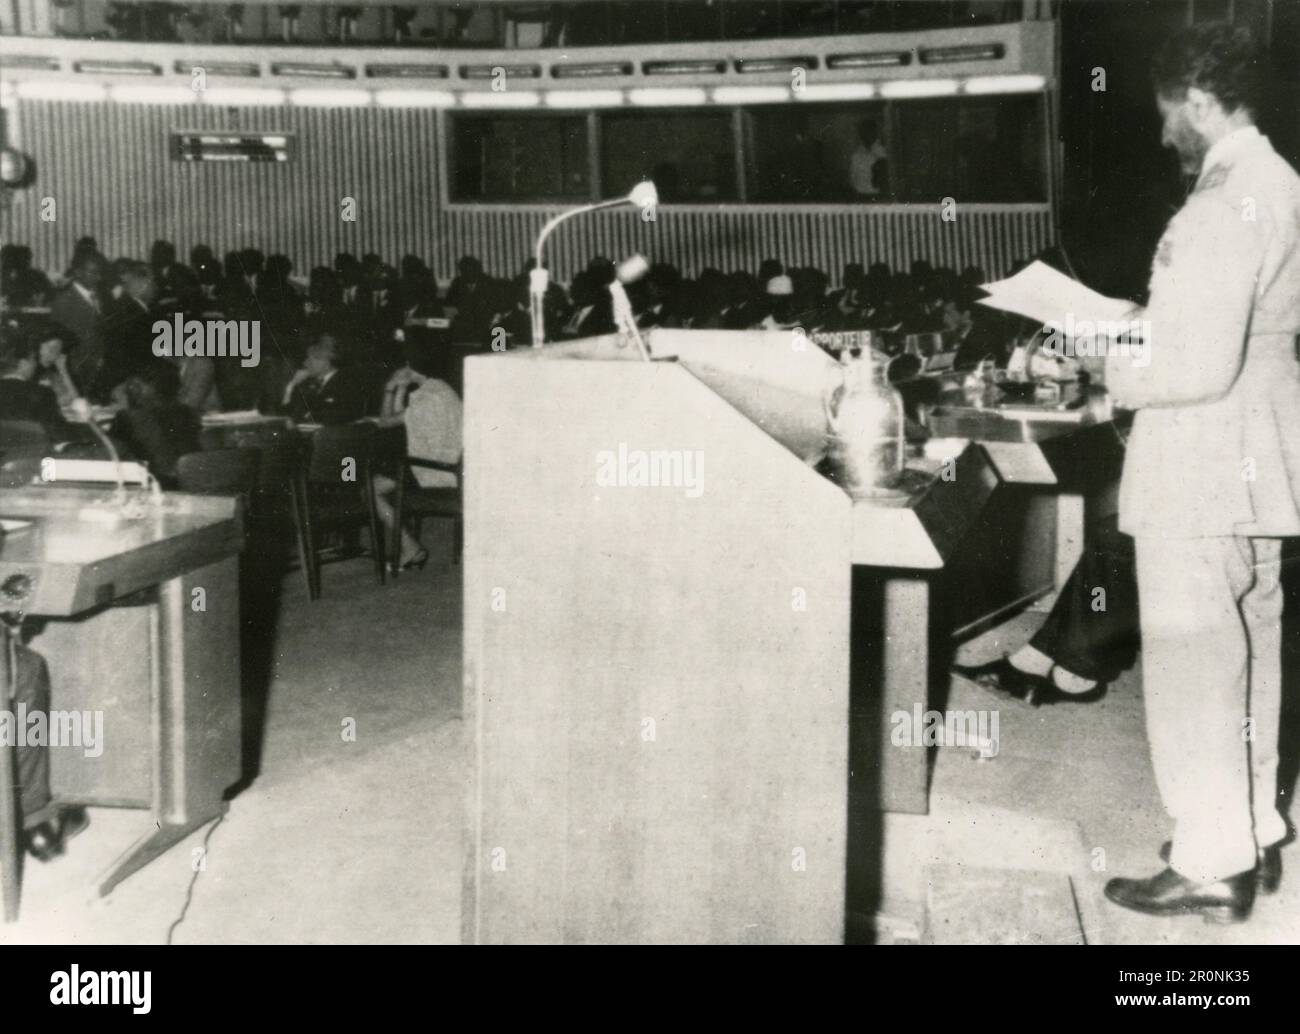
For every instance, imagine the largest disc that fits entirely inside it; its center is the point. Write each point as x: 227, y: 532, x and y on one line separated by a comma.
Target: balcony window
x: 690, y: 154
x: 519, y: 158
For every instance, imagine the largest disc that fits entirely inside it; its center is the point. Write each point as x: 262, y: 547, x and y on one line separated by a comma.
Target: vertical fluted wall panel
x: 107, y: 167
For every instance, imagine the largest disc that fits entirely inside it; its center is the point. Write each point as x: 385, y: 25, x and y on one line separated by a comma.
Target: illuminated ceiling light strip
x: 875, y: 59
x: 836, y: 92
x: 1005, y: 84
x: 747, y: 66
x: 330, y: 98
x: 51, y: 90
x: 504, y: 99
x: 708, y: 67
x: 34, y: 61
x: 415, y: 98
x: 116, y: 68
x: 230, y: 69
x: 919, y: 88
x: 236, y: 96
x: 491, y: 71
x: 751, y: 94
x: 153, y: 94
x: 608, y: 69
x: 583, y: 98
x: 667, y: 97
x: 972, y: 52
x: 302, y: 71
x: 406, y: 71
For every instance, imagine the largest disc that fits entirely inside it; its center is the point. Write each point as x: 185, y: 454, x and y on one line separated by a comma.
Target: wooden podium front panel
x: 656, y: 685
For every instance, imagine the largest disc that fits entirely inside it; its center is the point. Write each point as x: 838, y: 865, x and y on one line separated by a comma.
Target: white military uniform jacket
x: 1215, y: 447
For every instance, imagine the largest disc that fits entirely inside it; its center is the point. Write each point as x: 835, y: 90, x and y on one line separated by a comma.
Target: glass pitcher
x: 865, y: 428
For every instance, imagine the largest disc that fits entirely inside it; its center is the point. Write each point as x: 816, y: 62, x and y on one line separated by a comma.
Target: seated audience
x: 23, y: 398
x: 323, y: 393
x: 155, y: 427
x: 79, y: 308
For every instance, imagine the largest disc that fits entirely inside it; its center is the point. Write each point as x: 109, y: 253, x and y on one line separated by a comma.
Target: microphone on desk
x: 629, y: 271
x: 86, y: 415
x: 643, y: 195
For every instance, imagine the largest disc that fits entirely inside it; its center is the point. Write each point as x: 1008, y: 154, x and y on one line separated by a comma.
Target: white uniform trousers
x: 1211, y: 615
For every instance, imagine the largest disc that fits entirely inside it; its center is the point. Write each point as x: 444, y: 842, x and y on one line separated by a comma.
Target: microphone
x: 119, y: 493
x: 629, y: 271
x: 643, y: 195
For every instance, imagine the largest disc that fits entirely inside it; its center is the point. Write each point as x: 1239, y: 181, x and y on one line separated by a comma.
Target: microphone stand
x: 539, y: 279
x: 625, y: 318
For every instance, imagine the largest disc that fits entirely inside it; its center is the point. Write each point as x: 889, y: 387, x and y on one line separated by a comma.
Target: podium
x: 658, y: 595
x: 143, y: 625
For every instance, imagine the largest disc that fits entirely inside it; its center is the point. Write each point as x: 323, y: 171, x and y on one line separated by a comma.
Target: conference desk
x: 139, y: 620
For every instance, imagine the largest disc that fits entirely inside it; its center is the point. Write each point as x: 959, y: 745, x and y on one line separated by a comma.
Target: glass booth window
x: 690, y: 155
x: 519, y: 158
x: 799, y: 154
x: 977, y: 149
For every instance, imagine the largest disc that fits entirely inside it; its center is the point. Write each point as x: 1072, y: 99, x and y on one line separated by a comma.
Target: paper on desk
x: 1041, y: 293
x: 240, y: 416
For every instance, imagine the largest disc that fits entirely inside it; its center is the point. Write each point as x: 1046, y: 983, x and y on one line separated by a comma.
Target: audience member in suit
x: 592, y: 311
x: 280, y: 305
x: 240, y: 290
x: 322, y: 393
x: 20, y: 285
x: 348, y: 271
x: 517, y: 320
x: 128, y: 330
x: 79, y: 308
x: 469, y: 278
x: 84, y: 246
x: 178, y: 286
x: 155, y: 426
x: 22, y: 397
x: 417, y: 284
x: 378, y: 311
x: 46, y: 824
x: 208, y: 274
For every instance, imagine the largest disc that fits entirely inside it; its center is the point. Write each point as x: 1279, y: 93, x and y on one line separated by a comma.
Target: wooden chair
x: 340, y: 493
x: 413, y: 500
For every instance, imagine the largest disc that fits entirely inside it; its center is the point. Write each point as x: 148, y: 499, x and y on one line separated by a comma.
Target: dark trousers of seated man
x: 32, y: 689
x: 1092, y: 630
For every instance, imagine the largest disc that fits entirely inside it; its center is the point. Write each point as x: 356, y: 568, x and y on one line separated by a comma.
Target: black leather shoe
x: 1001, y: 676
x: 46, y: 841
x: 1268, y: 866
x: 43, y: 842
x: 1169, y: 893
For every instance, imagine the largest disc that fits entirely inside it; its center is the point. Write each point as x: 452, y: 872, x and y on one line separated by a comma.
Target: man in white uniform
x: 1212, y: 482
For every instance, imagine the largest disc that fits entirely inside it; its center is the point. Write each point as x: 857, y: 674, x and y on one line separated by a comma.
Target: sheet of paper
x: 1041, y: 293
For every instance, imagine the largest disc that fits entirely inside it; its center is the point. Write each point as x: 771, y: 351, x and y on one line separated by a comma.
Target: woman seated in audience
x: 52, y: 363
x: 418, y: 396
x: 155, y: 426
x: 24, y: 398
